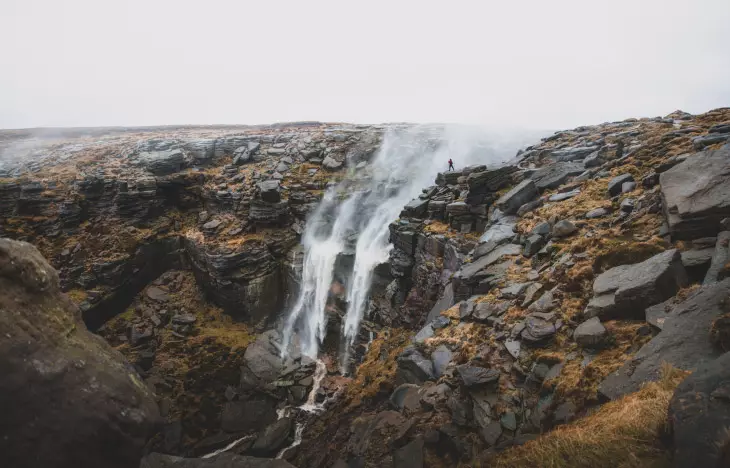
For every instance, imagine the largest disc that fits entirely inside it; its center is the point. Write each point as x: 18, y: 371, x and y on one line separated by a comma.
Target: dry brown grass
x: 377, y: 372
x: 468, y: 338
x: 623, y: 433
x: 580, y: 384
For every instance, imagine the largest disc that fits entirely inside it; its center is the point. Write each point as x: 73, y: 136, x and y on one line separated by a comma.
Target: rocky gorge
x: 579, y: 286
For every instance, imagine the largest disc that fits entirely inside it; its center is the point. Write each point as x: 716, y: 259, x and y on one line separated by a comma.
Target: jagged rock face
x: 246, y: 282
x: 696, y: 194
x: 66, y: 397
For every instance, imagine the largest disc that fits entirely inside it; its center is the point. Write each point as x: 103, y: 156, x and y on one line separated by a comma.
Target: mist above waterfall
x: 353, y: 218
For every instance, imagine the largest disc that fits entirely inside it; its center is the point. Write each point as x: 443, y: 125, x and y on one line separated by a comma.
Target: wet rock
x: 224, y: 460
x: 683, y: 342
x: 239, y: 416
x: 699, y: 415
x: 46, y: 353
x: 520, y: 194
x: 627, y: 290
x: 413, y: 367
x: 720, y: 263
x: 564, y: 228
x: 473, y: 376
x: 695, y: 194
x: 273, y: 438
x: 590, y: 334
x: 616, y: 184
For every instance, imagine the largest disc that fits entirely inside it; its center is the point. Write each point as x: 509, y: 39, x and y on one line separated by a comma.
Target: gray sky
x: 540, y: 64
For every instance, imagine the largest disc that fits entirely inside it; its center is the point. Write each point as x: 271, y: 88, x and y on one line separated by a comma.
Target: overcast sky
x: 540, y: 64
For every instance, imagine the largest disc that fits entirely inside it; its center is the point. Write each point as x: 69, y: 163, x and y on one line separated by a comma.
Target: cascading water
x: 407, y: 161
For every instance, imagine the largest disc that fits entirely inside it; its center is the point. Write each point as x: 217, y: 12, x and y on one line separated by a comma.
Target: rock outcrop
x: 696, y: 194
x: 627, y: 290
x: 66, y: 397
x: 683, y: 342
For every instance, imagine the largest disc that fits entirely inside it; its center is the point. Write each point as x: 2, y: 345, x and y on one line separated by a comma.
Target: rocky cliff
x: 517, y: 298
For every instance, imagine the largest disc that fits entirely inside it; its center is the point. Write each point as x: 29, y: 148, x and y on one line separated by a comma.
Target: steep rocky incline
x: 516, y: 299
x: 547, y: 282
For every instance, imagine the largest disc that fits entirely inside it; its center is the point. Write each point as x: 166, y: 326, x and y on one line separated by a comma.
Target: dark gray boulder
x: 520, y: 194
x: 162, y: 163
x: 683, y: 342
x: 555, y: 175
x: 699, y: 415
x: 269, y: 190
x: 697, y: 262
x: 627, y: 290
x: 615, y: 185
x: 416, y: 208
x: 67, y: 398
x: 413, y: 367
x: 273, y: 438
x: 410, y: 455
x: 250, y: 415
x: 696, y: 194
x: 590, y: 334
x: 474, y: 376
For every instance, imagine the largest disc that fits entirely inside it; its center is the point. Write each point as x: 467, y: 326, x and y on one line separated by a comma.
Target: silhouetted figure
x: 451, y: 165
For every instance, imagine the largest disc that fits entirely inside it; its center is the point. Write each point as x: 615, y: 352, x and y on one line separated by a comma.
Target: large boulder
x: 554, y: 175
x: 684, y: 342
x: 520, y: 194
x: 699, y: 414
x: 224, y: 460
x: 696, y: 194
x: 66, y: 397
x: 162, y: 163
x: 627, y: 290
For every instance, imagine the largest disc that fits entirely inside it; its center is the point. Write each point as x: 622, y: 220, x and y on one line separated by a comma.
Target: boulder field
x: 516, y: 300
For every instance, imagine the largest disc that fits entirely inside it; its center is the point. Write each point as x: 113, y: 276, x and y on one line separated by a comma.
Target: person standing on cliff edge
x: 451, y: 165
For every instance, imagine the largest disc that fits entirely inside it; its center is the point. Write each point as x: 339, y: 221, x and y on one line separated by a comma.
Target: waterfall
x: 408, y: 161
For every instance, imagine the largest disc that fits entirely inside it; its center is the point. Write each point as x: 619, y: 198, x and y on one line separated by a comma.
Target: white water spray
x: 407, y: 161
